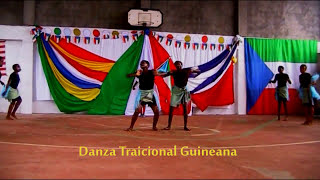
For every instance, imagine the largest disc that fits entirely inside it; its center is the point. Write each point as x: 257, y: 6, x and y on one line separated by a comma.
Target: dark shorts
x: 17, y: 99
x: 149, y: 103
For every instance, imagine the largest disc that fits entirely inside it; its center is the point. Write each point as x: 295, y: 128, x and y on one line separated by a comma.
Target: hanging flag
x: 186, y: 45
x: 86, y: 40
x: 212, y: 47
x: 3, y: 54
x: 204, y: 42
x: 220, y: 47
x: 77, y: 34
x: 134, y: 35
x: 160, y: 38
x: 86, y: 33
x: 187, y: 40
x: 46, y: 36
x: 67, y: 34
x: 195, y: 46
x: 57, y: 32
x: 96, y: 34
x: 115, y: 34
x: 169, y: 39
x: 262, y: 60
x: 96, y: 40
x: 177, y: 44
x: 125, y: 37
x: 105, y: 34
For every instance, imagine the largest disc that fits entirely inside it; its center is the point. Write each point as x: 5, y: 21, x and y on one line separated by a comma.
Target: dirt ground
x: 47, y: 146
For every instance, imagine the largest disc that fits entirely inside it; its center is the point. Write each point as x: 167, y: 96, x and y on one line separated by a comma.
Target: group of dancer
x: 306, y: 92
x: 10, y: 91
x: 179, y: 95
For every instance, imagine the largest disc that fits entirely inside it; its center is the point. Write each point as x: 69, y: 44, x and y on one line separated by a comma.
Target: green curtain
x: 116, y: 88
x: 285, y: 50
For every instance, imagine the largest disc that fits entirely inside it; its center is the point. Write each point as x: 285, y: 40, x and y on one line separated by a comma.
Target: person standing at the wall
x: 305, y: 94
x: 282, y: 94
x: 13, y: 93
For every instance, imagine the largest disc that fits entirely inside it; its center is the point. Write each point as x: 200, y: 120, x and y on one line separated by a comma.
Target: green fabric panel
x: 285, y: 50
x: 116, y: 88
x: 66, y: 102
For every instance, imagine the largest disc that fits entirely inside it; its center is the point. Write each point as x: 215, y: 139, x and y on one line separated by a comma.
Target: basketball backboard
x: 145, y: 17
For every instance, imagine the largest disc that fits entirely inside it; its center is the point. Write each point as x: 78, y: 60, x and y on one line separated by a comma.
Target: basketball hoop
x: 144, y: 17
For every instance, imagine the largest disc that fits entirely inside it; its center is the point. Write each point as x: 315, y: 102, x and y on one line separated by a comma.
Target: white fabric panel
x: 42, y: 91
x: 292, y: 69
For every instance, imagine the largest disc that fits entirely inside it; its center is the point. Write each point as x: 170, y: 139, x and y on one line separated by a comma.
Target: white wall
x: 19, y: 49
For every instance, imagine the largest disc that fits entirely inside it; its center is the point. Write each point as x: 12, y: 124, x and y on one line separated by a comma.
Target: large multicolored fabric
x: 82, y: 81
x: 263, y: 56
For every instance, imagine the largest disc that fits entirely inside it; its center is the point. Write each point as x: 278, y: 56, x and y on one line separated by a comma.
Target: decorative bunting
x: 96, y: 39
x: 195, y: 46
x: 86, y: 33
x: 186, y: 45
x: 169, y: 39
x: 212, y: 47
x: 67, y: 34
x: 160, y: 38
x: 115, y: 34
x: 220, y: 47
x: 77, y: 34
x: 125, y: 37
x: 177, y: 44
x: 204, y: 42
x: 187, y: 38
x: 57, y: 32
x: 134, y: 35
x: 221, y: 40
x: 105, y: 34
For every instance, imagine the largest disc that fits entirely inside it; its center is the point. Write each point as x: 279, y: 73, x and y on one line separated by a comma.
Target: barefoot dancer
x: 179, y: 93
x: 282, y: 94
x: 13, y: 94
x: 146, y: 81
x: 305, y: 94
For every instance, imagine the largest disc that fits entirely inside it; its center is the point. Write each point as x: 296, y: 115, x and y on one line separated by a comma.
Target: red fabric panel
x: 267, y: 104
x: 219, y: 95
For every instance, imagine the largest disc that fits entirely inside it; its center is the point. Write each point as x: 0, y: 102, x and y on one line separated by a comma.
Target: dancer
x: 179, y: 93
x: 282, y: 94
x: 13, y: 94
x: 305, y: 94
x: 146, y: 81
